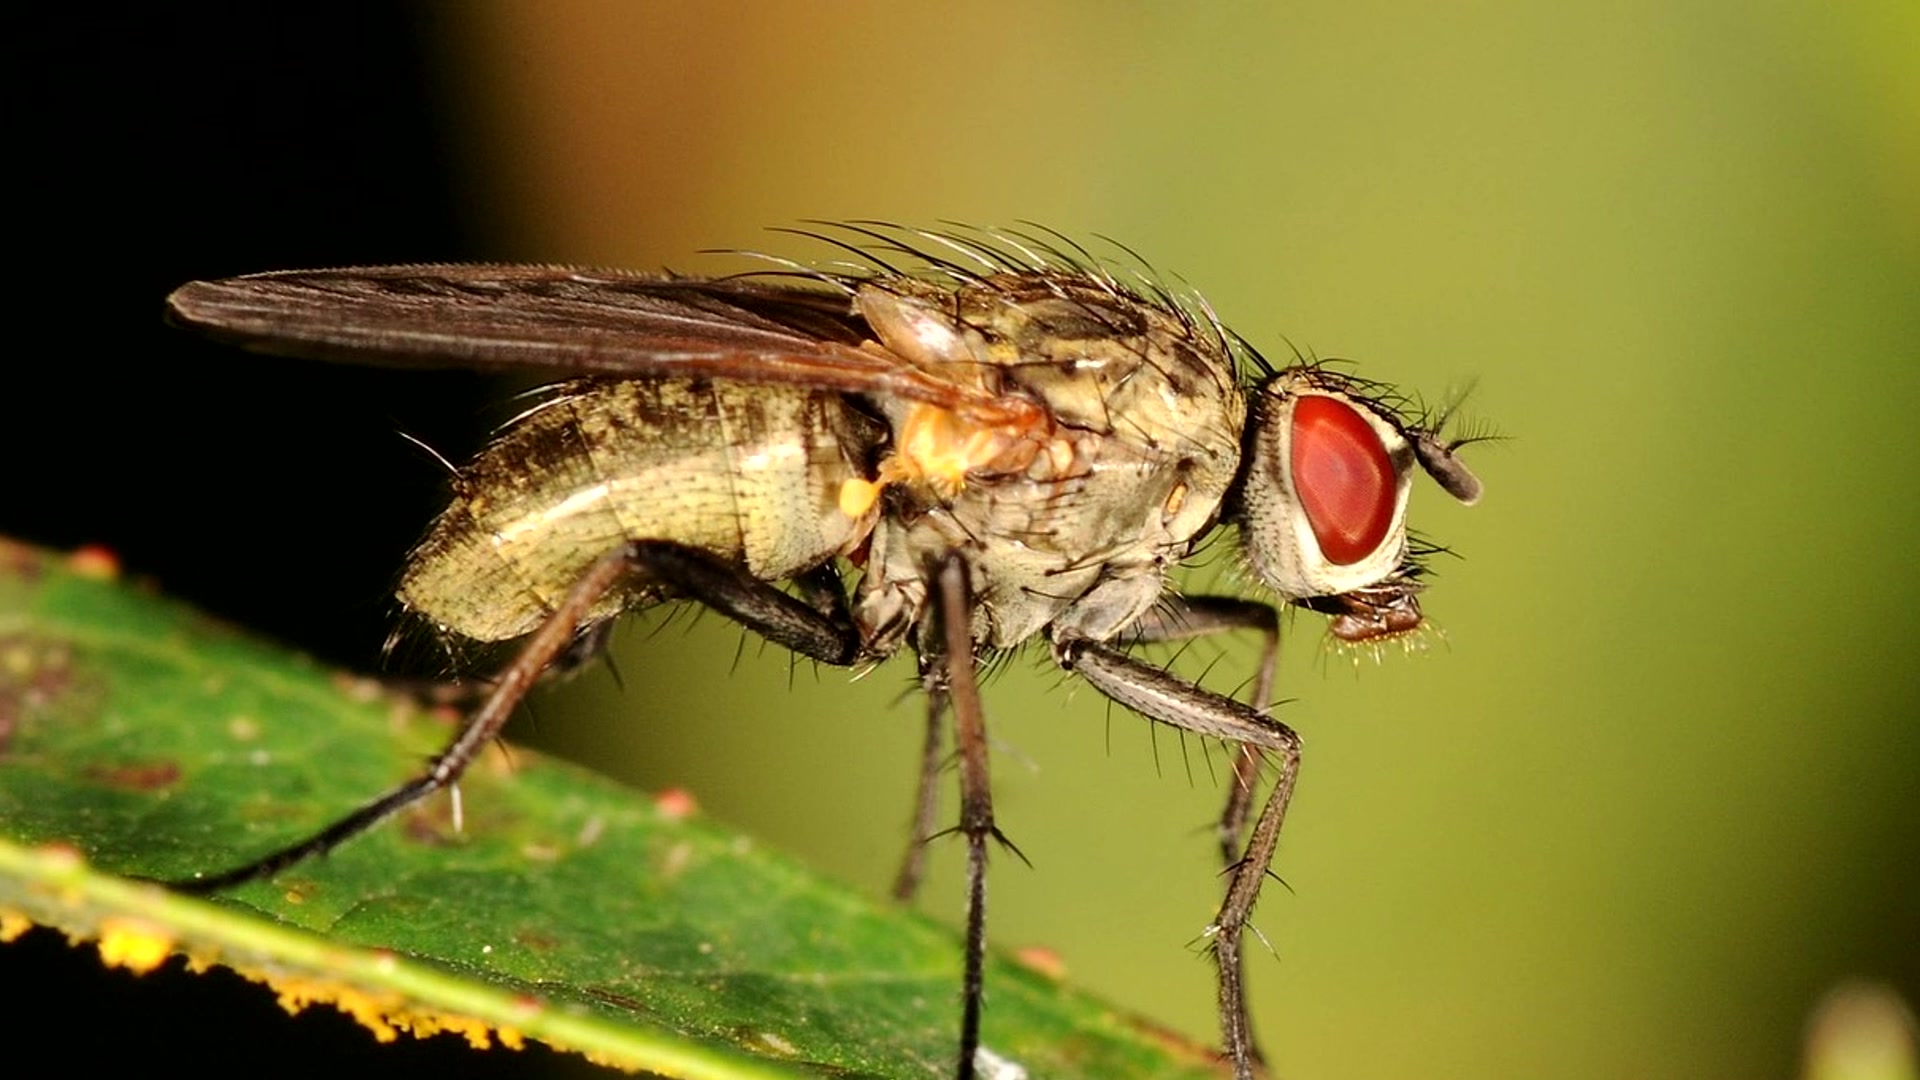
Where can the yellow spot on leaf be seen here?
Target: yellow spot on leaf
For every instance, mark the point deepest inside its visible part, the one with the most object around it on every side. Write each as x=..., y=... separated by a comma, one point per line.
x=141, y=946
x=137, y=946
x=386, y=1014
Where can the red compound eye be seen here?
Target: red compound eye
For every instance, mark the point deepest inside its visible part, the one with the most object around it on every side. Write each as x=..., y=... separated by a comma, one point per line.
x=1344, y=478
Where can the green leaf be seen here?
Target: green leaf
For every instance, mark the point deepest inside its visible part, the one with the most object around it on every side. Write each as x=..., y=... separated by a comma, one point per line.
x=139, y=739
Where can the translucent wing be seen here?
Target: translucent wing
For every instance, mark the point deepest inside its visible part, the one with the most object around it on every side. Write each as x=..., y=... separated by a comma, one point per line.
x=565, y=321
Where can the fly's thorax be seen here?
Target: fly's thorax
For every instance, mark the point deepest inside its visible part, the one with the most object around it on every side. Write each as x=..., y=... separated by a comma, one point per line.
x=1323, y=501
x=1139, y=445
x=1098, y=359
x=1142, y=411
x=749, y=473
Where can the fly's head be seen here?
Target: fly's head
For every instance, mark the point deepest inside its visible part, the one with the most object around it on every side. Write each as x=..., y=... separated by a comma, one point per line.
x=1322, y=507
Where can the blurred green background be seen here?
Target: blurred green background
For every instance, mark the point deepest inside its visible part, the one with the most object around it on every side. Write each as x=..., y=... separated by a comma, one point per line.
x=1649, y=799
x=1657, y=790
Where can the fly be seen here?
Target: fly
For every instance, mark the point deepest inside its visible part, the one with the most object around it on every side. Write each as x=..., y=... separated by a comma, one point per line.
x=1005, y=442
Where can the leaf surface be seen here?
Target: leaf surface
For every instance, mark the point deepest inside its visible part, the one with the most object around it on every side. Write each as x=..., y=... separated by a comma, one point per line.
x=139, y=739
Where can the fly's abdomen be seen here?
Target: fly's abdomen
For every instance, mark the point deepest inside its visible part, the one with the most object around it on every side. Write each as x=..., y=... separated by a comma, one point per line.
x=749, y=473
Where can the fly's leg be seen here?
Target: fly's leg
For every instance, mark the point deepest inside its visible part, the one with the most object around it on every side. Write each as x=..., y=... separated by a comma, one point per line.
x=800, y=625
x=820, y=589
x=952, y=675
x=464, y=693
x=815, y=626
x=1190, y=617
x=1197, y=616
x=1169, y=699
x=926, y=803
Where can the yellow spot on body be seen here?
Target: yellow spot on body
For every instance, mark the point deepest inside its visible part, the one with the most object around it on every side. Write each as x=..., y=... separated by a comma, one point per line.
x=857, y=496
x=137, y=946
x=938, y=449
x=1176, y=499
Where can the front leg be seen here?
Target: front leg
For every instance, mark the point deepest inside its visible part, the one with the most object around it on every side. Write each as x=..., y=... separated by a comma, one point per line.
x=1186, y=617
x=1177, y=702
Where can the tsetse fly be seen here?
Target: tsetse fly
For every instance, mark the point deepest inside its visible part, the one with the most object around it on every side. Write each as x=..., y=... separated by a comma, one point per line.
x=1002, y=439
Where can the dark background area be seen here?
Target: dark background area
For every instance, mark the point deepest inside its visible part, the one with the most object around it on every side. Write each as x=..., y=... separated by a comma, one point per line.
x=275, y=493
x=166, y=144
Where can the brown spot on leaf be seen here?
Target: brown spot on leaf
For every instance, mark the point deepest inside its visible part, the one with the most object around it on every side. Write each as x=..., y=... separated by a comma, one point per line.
x=535, y=940
x=1180, y=1046
x=676, y=804
x=135, y=775
x=631, y=1004
x=96, y=562
x=429, y=823
x=34, y=673
x=21, y=561
x=1042, y=960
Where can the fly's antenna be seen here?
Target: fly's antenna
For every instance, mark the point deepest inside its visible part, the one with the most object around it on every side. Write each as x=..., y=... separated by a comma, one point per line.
x=1440, y=456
